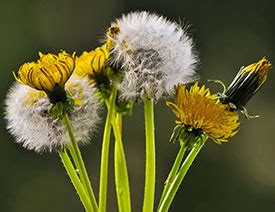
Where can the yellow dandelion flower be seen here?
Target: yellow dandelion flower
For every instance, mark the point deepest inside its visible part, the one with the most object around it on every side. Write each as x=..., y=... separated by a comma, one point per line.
x=247, y=82
x=92, y=63
x=201, y=112
x=49, y=74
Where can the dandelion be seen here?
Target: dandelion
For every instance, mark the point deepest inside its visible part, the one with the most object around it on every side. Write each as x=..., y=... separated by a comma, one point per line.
x=30, y=121
x=95, y=65
x=49, y=111
x=91, y=64
x=154, y=53
x=200, y=115
x=248, y=81
x=199, y=112
x=48, y=74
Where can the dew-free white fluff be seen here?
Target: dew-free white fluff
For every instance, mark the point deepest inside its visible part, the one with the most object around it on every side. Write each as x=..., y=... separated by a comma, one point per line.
x=154, y=53
x=28, y=118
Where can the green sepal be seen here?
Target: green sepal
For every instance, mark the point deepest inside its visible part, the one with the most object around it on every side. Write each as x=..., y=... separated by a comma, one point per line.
x=124, y=107
x=247, y=115
x=59, y=109
x=186, y=136
x=176, y=133
x=221, y=83
x=105, y=81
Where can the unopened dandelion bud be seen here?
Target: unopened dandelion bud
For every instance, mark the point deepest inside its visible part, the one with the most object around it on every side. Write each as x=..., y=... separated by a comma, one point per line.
x=247, y=82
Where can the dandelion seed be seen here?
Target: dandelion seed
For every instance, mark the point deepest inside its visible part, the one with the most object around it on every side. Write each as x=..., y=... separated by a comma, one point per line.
x=200, y=112
x=154, y=53
x=29, y=120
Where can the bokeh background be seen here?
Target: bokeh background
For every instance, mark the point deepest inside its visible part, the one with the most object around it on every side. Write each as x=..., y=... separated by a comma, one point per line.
x=236, y=176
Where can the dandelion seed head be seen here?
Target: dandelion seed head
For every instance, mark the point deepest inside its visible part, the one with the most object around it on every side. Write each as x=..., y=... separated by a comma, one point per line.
x=154, y=53
x=28, y=118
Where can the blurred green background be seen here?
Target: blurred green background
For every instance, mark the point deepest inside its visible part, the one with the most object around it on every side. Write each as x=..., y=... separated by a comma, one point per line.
x=236, y=176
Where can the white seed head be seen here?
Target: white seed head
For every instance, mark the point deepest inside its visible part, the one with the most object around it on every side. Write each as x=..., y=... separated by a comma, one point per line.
x=28, y=118
x=155, y=54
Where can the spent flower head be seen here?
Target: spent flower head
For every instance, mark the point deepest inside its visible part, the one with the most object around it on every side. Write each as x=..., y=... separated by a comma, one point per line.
x=29, y=118
x=154, y=53
x=49, y=74
x=200, y=112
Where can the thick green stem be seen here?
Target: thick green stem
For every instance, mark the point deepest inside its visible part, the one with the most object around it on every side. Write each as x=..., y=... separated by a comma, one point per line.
x=121, y=173
x=180, y=176
x=75, y=181
x=105, y=154
x=173, y=172
x=76, y=155
x=150, y=166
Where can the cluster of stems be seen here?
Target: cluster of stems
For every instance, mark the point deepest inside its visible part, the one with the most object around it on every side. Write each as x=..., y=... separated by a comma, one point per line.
x=75, y=167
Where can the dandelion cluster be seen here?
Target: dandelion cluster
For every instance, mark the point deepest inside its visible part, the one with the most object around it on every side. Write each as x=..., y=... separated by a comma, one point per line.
x=54, y=104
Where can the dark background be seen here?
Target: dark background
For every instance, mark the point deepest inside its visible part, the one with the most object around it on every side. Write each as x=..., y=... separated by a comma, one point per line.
x=236, y=176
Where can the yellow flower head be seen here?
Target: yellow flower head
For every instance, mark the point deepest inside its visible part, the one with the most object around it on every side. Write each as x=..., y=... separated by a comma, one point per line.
x=200, y=111
x=247, y=82
x=49, y=71
x=261, y=68
x=49, y=74
x=92, y=63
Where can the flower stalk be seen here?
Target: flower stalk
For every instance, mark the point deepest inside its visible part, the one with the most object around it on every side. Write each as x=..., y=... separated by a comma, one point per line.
x=170, y=194
x=105, y=154
x=76, y=155
x=173, y=172
x=150, y=166
x=76, y=181
x=121, y=173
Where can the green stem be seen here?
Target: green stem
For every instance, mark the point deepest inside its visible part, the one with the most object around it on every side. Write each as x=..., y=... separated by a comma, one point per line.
x=180, y=176
x=121, y=173
x=150, y=166
x=76, y=155
x=75, y=181
x=173, y=172
x=105, y=154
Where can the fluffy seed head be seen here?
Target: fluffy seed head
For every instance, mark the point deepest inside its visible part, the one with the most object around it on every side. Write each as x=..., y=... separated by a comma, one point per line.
x=154, y=53
x=28, y=118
